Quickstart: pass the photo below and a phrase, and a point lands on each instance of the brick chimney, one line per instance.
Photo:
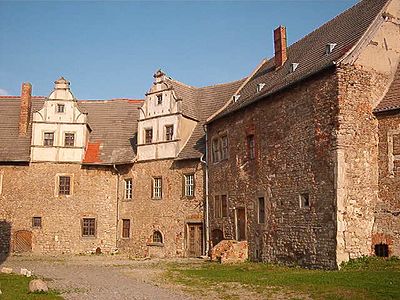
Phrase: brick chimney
(280, 46)
(25, 110)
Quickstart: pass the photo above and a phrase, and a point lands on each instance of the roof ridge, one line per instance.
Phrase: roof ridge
(108, 100)
(222, 84)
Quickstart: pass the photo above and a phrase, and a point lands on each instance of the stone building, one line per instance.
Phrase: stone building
(300, 158)
(301, 166)
(80, 176)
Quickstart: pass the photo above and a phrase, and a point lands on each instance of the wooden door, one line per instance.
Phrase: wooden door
(240, 224)
(22, 241)
(195, 240)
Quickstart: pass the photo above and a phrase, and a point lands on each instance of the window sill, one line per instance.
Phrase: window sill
(127, 200)
(156, 198)
(87, 237)
(155, 244)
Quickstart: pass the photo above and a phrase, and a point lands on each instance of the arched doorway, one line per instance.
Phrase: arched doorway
(216, 236)
(22, 241)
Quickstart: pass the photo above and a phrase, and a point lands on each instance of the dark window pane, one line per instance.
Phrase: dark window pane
(126, 227)
(89, 227)
(64, 185)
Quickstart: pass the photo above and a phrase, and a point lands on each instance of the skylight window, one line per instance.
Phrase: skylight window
(329, 48)
(260, 87)
(236, 98)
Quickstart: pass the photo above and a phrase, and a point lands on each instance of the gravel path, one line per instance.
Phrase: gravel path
(98, 277)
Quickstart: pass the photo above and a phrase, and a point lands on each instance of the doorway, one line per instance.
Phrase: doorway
(240, 224)
(195, 239)
(22, 241)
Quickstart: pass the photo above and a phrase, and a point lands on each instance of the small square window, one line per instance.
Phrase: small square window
(148, 136)
(64, 185)
(37, 222)
(69, 140)
(169, 132)
(89, 227)
(128, 188)
(305, 200)
(159, 99)
(126, 228)
(60, 108)
(48, 139)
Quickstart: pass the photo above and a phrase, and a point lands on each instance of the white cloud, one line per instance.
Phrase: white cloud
(3, 92)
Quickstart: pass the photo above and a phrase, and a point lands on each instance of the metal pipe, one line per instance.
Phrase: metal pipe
(206, 209)
(117, 198)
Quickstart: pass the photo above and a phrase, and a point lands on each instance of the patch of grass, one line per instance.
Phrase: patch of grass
(366, 278)
(15, 286)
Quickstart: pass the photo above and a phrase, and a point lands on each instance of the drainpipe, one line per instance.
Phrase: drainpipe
(206, 209)
(117, 198)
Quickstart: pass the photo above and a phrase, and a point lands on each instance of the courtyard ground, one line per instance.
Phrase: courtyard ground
(118, 277)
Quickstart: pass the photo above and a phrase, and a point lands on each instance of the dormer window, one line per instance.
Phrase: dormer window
(329, 48)
(236, 98)
(148, 136)
(48, 139)
(260, 87)
(159, 99)
(169, 132)
(60, 108)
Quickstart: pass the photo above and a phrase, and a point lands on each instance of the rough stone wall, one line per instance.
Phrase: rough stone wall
(357, 159)
(30, 191)
(294, 133)
(169, 215)
(386, 228)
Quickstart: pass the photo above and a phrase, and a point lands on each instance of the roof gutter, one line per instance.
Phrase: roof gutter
(206, 204)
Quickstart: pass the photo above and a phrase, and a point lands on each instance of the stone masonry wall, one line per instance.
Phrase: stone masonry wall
(357, 159)
(386, 229)
(29, 191)
(294, 133)
(169, 215)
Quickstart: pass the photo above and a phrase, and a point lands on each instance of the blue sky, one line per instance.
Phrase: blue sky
(111, 49)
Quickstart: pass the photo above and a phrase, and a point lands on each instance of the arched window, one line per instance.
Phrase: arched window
(157, 237)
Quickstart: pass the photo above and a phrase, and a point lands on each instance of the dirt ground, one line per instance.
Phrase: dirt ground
(100, 277)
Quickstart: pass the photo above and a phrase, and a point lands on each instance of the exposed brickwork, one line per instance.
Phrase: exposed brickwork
(294, 143)
(230, 251)
(386, 228)
(30, 191)
(357, 172)
(25, 109)
(169, 215)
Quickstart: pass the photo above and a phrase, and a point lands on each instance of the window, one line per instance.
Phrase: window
(189, 185)
(224, 206)
(60, 108)
(148, 136)
(1, 183)
(219, 148)
(169, 132)
(64, 185)
(215, 150)
(126, 228)
(159, 99)
(261, 210)
(224, 147)
(128, 188)
(304, 200)
(157, 237)
(37, 222)
(89, 227)
(382, 250)
(251, 149)
(69, 139)
(48, 139)
(157, 188)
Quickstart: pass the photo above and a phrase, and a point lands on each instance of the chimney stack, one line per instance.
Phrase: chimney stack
(280, 46)
(25, 110)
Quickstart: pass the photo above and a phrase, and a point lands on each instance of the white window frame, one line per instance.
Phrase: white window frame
(189, 185)
(157, 188)
(65, 137)
(60, 105)
(128, 188)
(44, 138)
